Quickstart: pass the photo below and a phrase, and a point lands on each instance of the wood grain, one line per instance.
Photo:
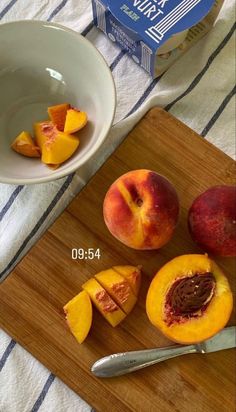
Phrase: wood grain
(32, 297)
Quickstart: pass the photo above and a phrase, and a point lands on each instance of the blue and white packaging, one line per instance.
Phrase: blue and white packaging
(153, 32)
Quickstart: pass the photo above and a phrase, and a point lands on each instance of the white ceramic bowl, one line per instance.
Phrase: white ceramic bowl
(43, 64)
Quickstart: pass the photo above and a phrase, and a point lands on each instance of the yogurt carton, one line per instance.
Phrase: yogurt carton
(155, 32)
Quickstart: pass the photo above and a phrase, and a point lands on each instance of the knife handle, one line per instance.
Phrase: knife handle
(126, 362)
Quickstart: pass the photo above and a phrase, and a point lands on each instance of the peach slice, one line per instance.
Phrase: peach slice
(56, 146)
(79, 315)
(103, 302)
(132, 274)
(189, 299)
(118, 288)
(57, 114)
(43, 130)
(75, 120)
(24, 145)
(59, 148)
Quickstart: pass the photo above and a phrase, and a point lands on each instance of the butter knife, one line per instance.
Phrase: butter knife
(126, 362)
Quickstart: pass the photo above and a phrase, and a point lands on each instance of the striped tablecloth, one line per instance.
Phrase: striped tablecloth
(198, 89)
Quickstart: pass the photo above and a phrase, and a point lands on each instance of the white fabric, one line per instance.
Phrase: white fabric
(206, 76)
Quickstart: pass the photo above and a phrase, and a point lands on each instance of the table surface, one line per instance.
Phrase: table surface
(198, 89)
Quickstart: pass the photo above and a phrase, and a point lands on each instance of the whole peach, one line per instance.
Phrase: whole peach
(212, 220)
(141, 209)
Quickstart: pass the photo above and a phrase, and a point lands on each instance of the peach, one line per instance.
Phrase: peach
(141, 209)
(79, 315)
(118, 288)
(57, 115)
(132, 274)
(59, 149)
(56, 146)
(25, 145)
(103, 302)
(189, 299)
(75, 120)
(212, 220)
(42, 130)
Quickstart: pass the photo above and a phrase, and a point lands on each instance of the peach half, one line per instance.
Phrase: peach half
(24, 145)
(141, 209)
(79, 315)
(189, 299)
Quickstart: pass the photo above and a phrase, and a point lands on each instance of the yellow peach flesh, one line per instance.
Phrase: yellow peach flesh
(59, 149)
(118, 288)
(79, 315)
(57, 114)
(41, 130)
(24, 145)
(75, 120)
(103, 302)
(132, 274)
(195, 329)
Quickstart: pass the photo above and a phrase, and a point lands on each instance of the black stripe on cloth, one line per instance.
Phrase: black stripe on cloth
(144, 95)
(192, 85)
(218, 112)
(87, 29)
(43, 393)
(57, 9)
(6, 354)
(10, 201)
(40, 222)
(7, 8)
(117, 60)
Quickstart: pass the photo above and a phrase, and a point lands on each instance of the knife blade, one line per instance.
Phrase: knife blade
(121, 363)
(226, 339)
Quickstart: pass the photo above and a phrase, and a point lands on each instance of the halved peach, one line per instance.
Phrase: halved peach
(57, 114)
(59, 149)
(75, 120)
(103, 302)
(132, 274)
(79, 315)
(118, 288)
(25, 145)
(189, 299)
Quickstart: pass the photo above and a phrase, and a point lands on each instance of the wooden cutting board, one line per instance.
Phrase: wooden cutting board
(32, 297)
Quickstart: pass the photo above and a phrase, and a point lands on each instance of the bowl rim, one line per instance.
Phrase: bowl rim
(60, 174)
